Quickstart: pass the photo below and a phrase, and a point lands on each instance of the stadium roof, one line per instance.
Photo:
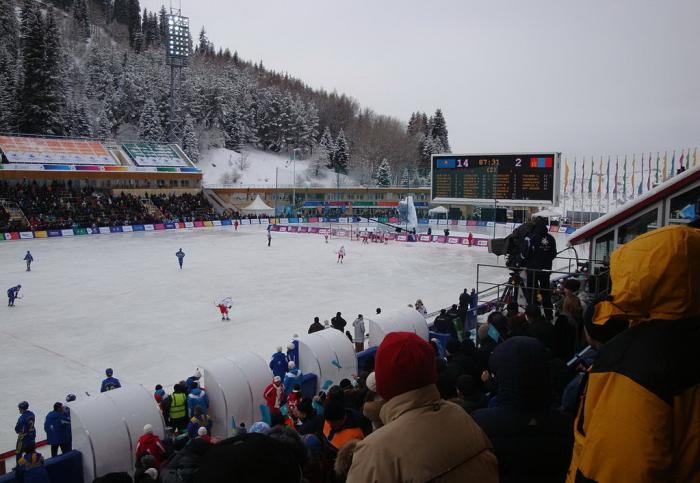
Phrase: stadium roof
(663, 190)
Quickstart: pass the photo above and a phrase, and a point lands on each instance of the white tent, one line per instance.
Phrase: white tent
(438, 210)
(258, 207)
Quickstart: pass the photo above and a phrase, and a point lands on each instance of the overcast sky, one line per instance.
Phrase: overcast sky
(592, 77)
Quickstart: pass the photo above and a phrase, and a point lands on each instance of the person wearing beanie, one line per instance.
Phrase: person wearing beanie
(424, 438)
(338, 322)
(193, 380)
(57, 428)
(175, 407)
(291, 377)
(278, 363)
(531, 440)
(198, 398)
(149, 444)
(293, 398)
(443, 324)
(274, 395)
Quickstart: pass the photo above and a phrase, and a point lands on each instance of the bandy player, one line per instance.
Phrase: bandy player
(341, 254)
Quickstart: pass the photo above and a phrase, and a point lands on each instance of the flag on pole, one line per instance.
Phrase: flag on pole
(680, 161)
(673, 164)
(600, 175)
(695, 157)
(665, 170)
(657, 167)
(566, 175)
(624, 179)
(649, 174)
(583, 174)
(590, 180)
(573, 182)
(641, 178)
(617, 167)
(607, 179)
(634, 168)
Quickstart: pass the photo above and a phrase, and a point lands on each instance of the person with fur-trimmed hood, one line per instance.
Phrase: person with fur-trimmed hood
(291, 377)
(424, 438)
(639, 417)
(197, 398)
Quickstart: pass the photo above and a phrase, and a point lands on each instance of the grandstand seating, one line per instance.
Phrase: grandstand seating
(30, 150)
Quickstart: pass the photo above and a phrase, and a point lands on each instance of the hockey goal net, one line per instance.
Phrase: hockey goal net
(344, 230)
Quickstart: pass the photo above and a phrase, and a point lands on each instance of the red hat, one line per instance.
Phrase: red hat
(404, 362)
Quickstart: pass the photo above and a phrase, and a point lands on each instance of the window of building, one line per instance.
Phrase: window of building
(685, 207)
(184, 183)
(638, 226)
(604, 245)
(378, 196)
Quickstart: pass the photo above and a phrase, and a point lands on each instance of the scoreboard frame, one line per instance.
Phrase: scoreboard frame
(503, 202)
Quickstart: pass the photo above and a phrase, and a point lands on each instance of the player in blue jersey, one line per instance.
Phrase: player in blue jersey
(26, 433)
(110, 382)
(12, 295)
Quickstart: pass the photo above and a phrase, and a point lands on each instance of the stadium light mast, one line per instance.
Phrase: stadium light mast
(177, 53)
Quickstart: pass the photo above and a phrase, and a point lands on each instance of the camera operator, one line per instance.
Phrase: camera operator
(539, 251)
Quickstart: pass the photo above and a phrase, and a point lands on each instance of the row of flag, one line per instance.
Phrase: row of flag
(657, 171)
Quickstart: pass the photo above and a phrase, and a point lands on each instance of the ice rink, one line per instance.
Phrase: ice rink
(120, 301)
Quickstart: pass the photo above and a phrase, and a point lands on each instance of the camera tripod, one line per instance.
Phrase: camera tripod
(510, 293)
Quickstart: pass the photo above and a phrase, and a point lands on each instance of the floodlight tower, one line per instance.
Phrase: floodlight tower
(177, 53)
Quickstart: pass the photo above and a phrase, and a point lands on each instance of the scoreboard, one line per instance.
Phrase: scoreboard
(519, 179)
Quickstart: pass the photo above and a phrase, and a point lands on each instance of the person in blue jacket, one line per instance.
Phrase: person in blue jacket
(26, 432)
(29, 259)
(110, 382)
(278, 364)
(57, 427)
(193, 380)
(12, 294)
(197, 398)
(293, 376)
(180, 257)
(30, 467)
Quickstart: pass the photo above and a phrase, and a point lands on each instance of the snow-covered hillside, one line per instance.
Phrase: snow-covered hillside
(254, 168)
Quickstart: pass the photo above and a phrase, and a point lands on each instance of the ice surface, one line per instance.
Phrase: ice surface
(120, 301)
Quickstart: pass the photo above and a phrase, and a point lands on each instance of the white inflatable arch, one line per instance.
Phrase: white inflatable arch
(235, 386)
(329, 354)
(106, 428)
(405, 319)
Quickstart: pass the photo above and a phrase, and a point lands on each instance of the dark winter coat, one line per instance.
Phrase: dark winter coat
(339, 323)
(311, 424)
(444, 325)
(543, 330)
(532, 442)
(279, 364)
(316, 327)
(57, 427)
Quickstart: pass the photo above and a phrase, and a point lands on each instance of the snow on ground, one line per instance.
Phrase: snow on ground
(259, 168)
(120, 301)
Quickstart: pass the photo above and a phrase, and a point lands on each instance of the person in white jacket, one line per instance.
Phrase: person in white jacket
(359, 338)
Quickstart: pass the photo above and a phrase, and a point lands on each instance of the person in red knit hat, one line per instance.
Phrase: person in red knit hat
(424, 438)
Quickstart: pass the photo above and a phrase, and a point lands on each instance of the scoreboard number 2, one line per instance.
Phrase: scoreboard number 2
(518, 163)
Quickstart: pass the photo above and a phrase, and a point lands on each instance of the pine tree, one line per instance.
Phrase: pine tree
(327, 147)
(41, 98)
(204, 45)
(163, 23)
(107, 10)
(9, 30)
(383, 176)
(121, 11)
(150, 128)
(133, 19)
(105, 122)
(190, 140)
(81, 22)
(341, 154)
(439, 131)
(76, 119)
(406, 177)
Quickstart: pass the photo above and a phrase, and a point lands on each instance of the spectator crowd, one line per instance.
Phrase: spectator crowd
(589, 396)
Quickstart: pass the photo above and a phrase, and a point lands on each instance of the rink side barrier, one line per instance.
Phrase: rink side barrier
(65, 468)
(279, 223)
